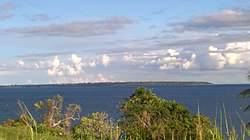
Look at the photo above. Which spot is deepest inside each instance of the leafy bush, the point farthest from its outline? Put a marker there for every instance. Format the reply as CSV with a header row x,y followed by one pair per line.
x,y
42,128
21,121
97,126
147,116
10,122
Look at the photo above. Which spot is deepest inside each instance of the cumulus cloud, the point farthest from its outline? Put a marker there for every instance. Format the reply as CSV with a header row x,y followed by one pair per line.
x,y
189,64
173,52
101,77
128,58
20,62
106,26
39,64
105,60
72,70
92,63
55,69
237,54
166,59
76,68
229,19
234,55
75,59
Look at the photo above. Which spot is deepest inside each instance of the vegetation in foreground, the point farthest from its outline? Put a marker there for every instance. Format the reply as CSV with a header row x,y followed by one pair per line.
x,y
145,117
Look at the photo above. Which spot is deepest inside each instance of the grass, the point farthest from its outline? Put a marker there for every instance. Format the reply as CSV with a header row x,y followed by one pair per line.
x,y
23,133
222,130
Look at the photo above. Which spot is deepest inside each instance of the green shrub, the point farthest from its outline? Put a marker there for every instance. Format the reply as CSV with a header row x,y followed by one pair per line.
x,y
10,122
97,126
42,128
147,116
19,121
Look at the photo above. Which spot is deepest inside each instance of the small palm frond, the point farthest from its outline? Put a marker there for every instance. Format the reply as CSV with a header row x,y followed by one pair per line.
x,y
244,94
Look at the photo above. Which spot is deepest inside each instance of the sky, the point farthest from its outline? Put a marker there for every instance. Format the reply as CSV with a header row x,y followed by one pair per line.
x,y
81,41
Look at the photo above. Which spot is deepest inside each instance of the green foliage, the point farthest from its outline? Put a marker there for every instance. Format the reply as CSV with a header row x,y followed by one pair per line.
x,y
10,122
23,133
23,120
43,129
150,117
98,126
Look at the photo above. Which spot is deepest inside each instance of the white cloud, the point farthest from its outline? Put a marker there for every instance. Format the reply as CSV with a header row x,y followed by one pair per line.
x,y
76,67
75,59
169,62
39,64
71,70
101,77
173,52
216,61
55,70
55,62
237,54
105,60
234,55
212,48
20,62
92,63
238,46
29,82
189,64
128,58
166,59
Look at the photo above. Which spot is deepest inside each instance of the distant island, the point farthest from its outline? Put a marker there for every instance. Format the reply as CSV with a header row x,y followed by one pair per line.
x,y
119,84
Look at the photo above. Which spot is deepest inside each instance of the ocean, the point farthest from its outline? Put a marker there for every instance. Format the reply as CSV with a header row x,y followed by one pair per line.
x,y
103,98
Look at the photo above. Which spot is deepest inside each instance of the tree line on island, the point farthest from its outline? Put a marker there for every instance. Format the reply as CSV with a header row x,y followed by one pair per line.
x,y
120,84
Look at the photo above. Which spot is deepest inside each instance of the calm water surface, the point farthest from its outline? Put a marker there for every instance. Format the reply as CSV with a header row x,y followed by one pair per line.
x,y
106,99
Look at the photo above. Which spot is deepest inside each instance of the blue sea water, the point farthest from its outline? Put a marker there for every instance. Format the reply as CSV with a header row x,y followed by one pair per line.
x,y
107,98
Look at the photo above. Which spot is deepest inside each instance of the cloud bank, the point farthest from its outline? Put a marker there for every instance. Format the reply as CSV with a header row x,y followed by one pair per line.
x,y
107,26
234,55
237,19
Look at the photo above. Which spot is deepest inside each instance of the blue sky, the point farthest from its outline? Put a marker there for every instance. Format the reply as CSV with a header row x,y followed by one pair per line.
x,y
104,41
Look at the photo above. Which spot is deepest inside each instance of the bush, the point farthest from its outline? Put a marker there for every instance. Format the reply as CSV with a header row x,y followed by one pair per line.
x,y
97,126
43,129
10,122
147,116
